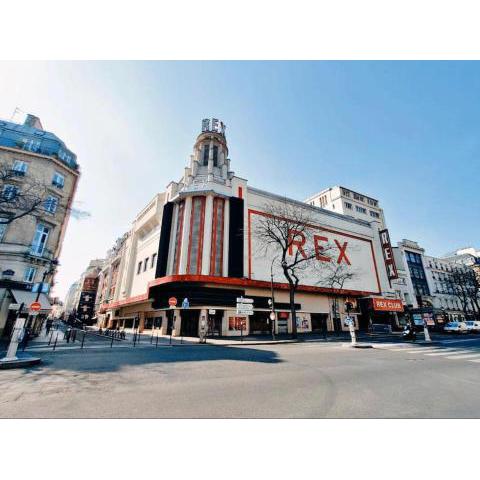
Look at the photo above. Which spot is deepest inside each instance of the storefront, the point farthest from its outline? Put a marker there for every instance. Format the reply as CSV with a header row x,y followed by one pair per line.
x,y
381,311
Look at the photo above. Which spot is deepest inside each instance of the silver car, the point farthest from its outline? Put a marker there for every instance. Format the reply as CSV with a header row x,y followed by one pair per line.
x,y
455,327
473,326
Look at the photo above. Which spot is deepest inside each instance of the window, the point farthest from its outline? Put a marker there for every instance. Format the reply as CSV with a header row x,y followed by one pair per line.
x,y
215,156
3,228
356,196
154,257
39,240
206,152
51,204
374,214
195,246
372,202
139,267
145,264
58,180
31,145
216,256
348,205
345,193
19,168
9,192
29,274
360,209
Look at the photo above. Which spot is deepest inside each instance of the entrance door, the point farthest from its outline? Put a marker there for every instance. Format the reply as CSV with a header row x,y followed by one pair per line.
x,y
215,323
260,323
169,321
319,322
189,327
282,322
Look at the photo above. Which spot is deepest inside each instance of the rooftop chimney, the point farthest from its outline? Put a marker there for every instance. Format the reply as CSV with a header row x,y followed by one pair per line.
x,y
33,121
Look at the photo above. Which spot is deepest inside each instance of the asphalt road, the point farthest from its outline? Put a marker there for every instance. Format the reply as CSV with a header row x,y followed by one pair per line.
x,y
309,380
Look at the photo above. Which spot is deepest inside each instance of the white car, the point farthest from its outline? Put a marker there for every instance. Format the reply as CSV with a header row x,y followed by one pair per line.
x,y
455,327
473,326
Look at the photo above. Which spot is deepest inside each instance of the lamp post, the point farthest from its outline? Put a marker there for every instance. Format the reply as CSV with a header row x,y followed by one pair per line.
x,y
272,300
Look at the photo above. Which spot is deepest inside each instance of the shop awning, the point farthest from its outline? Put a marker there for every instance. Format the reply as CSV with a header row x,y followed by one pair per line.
x,y
27,298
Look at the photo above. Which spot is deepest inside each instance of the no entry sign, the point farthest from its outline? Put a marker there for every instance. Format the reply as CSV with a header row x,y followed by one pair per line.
x,y
172,301
35,306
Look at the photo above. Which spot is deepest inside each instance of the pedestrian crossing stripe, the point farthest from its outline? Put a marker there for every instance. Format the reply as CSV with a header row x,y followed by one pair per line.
x,y
448,351
461,357
424,350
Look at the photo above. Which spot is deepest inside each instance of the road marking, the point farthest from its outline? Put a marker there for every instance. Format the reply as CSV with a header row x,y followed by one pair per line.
x,y
476,361
404,349
424,350
461,357
447,351
460,341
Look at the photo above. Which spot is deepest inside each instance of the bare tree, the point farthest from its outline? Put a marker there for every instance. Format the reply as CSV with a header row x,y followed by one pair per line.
x,y
463,283
287,230
19,199
22,196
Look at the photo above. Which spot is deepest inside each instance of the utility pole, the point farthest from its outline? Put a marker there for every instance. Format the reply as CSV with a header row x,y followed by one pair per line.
x,y
272,300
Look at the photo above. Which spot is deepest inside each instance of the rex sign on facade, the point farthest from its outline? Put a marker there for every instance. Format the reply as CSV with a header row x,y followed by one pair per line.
x,y
388,254
331,250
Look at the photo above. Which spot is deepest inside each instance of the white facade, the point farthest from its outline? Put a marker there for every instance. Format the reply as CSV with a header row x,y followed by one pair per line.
x,y
188,243
347,202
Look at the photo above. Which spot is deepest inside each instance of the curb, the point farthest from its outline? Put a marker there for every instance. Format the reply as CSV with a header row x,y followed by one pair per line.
x,y
20,362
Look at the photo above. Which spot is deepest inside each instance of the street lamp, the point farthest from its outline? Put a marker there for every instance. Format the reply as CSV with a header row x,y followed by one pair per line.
x,y
272,300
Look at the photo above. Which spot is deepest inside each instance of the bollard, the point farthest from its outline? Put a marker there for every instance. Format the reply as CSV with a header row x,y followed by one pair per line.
x,y
55,344
111,342
49,341
83,339
170,338
181,339
151,337
134,339
156,343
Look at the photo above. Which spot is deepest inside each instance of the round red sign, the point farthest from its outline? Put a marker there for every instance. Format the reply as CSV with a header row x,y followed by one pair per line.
x,y
35,306
172,301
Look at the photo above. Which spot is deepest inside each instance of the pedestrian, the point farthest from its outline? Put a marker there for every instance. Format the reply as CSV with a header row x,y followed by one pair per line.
x,y
49,325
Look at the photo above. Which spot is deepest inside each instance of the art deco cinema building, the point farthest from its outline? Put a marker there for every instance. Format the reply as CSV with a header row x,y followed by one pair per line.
x,y
195,243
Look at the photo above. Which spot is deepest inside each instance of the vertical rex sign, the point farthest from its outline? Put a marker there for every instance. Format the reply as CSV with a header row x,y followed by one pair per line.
x,y
388,255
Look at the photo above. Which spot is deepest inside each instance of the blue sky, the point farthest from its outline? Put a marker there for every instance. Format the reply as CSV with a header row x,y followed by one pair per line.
x,y
406,133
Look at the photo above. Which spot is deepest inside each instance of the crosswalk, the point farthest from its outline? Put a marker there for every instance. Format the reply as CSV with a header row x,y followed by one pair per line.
x,y
449,353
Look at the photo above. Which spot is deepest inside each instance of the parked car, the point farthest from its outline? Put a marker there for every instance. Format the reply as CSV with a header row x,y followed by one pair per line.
x,y
473,326
455,327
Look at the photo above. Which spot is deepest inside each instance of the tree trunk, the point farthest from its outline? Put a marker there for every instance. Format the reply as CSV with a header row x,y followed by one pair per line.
x,y
293,312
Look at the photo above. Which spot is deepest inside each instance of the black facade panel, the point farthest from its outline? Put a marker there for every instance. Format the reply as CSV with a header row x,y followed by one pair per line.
x,y
197,295
235,239
164,243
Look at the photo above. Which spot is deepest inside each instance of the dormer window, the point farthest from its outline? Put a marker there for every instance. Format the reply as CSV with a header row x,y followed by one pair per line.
x,y
206,151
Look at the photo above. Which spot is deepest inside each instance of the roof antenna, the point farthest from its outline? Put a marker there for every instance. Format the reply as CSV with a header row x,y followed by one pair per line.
x,y
17,110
